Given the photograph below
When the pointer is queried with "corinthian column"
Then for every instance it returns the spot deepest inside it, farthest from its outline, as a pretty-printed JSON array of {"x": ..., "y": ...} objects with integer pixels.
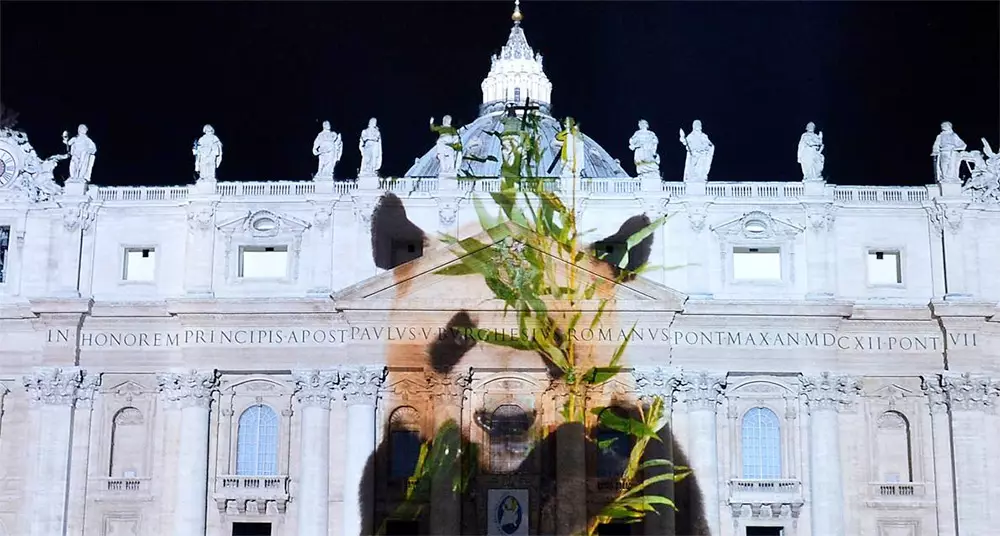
[
  {"x": 969, "y": 399},
  {"x": 944, "y": 490},
  {"x": 826, "y": 395},
  {"x": 52, "y": 393},
  {"x": 191, "y": 392},
  {"x": 659, "y": 383},
  {"x": 360, "y": 386},
  {"x": 449, "y": 394},
  {"x": 704, "y": 392},
  {"x": 315, "y": 390},
  {"x": 80, "y": 455}
]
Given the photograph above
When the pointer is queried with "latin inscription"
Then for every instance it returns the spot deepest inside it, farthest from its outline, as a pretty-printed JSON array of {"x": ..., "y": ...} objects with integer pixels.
[{"x": 678, "y": 338}]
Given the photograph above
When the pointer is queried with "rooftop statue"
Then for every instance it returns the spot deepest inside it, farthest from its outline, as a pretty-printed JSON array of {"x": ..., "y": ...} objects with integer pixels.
[
  {"x": 570, "y": 145},
  {"x": 448, "y": 147},
  {"x": 370, "y": 146},
  {"x": 81, "y": 151},
  {"x": 644, "y": 143},
  {"x": 984, "y": 184},
  {"x": 329, "y": 147},
  {"x": 810, "y": 154},
  {"x": 26, "y": 173},
  {"x": 947, "y": 155},
  {"x": 208, "y": 154},
  {"x": 41, "y": 177},
  {"x": 700, "y": 152}
]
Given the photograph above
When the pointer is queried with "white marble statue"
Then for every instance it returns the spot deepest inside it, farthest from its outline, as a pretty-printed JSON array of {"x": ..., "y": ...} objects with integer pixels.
[
  {"x": 947, "y": 155},
  {"x": 984, "y": 183},
  {"x": 571, "y": 148},
  {"x": 208, "y": 154},
  {"x": 810, "y": 154},
  {"x": 700, "y": 152},
  {"x": 42, "y": 176},
  {"x": 644, "y": 143},
  {"x": 329, "y": 147},
  {"x": 370, "y": 145},
  {"x": 448, "y": 147},
  {"x": 81, "y": 151}
]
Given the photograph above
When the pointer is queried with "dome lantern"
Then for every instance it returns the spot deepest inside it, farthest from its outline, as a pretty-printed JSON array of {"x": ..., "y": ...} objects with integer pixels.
[{"x": 516, "y": 73}]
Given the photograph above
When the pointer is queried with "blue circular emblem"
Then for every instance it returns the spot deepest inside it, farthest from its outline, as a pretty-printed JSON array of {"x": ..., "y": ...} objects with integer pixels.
[{"x": 509, "y": 515}]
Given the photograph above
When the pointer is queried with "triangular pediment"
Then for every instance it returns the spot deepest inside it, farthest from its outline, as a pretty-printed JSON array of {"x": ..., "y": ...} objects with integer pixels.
[{"x": 420, "y": 285}]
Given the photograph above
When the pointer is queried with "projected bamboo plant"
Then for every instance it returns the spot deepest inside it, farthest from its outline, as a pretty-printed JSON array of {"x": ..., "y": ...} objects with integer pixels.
[{"x": 532, "y": 237}]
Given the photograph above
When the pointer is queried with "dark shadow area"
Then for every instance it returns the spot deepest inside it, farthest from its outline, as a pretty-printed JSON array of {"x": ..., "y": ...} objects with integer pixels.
[
  {"x": 543, "y": 464},
  {"x": 613, "y": 248},
  {"x": 395, "y": 239},
  {"x": 452, "y": 343},
  {"x": 251, "y": 529}
]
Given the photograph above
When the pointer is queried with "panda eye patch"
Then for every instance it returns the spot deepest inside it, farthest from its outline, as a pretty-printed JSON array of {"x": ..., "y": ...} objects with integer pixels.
[{"x": 452, "y": 344}]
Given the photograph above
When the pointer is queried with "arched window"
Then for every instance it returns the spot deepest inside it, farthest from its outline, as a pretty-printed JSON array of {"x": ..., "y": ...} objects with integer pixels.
[
  {"x": 404, "y": 442},
  {"x": 257, "y": 442},
  {"x": 128, "y": 441},
  {"x": 517, "y": 94},
  {"x": 893, "y": 448},
  {"x": 508, "y": 429},
  {"x": 613, "y": 449},
  {"x": 761, "y": 444}
]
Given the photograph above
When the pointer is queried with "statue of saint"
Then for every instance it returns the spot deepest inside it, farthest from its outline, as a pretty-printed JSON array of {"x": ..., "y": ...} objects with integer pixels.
[
  {"x": 81, "y": 151},
  {"x": 700, "y": 152},
  {"x": 448, "y": 147},
  {"x": 811, "y": 153},
  {"x": 571, "y": 149},
  {"x": 644, "y": 143},
  {"x": 946, "y": 153},
  {"x": 984, "y": 183},
  {"x": 329, "y": 148},
  {"x": 371, "y": 149},
  {"x": 208, "y": 154}
]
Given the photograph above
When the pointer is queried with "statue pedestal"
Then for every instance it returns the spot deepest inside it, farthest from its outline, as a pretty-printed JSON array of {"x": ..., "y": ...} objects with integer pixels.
[
  {"x": 75, "y": 187},
  {"x": 650, "y": 182},
  {"x": 950, "y": 189},
  {"x": 368, "y": 182},
  {"x": 324, "y": 187},
  {"x": 204, "y": 187},
  {"x": 448, "y": 184},
  {"x": 814, "y": 188},
  {"x": 694, "y": 188}
]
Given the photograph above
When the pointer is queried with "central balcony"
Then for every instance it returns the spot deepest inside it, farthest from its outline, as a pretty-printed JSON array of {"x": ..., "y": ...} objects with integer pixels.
[
  {"x": 765, "y": 491},
  {"x": 240, "y": 494}
]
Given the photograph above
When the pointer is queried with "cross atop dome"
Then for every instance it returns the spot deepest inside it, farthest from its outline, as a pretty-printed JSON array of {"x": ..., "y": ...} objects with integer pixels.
[{"x": 516, "y": 73}]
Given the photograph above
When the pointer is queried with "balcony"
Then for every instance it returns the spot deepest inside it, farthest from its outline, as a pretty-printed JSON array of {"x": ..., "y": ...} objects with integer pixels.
[
  {"x": 765, "y": 491},
  {"x": 239, "y": 494},
  {"x": 119, "y": 488}
]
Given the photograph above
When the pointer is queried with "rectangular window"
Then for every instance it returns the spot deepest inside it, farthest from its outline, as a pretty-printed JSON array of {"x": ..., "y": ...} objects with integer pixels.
[
  {"x": 885, "y": 267},
  {"x": 757, "y": 264},
  {"x": 4, "y": 246},
  {"x": 264, "y": 262},
  {"x": 140, "y": 264}
]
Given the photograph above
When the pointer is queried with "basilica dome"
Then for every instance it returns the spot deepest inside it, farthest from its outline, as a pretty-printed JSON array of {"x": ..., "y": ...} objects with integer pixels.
[{"x": 516, "y": 77}]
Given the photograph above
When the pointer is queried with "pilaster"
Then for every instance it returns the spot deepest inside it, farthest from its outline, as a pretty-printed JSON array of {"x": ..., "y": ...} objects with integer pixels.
[
  {"x": 199, "y": 254},
  {"x": 703, "y": 394},
  {"x": 361, "y": 387},
  {"x": 970, "y": 398},
  {"x": 450, "y": 393},
  {"x": 944, "y": 489},
  {"x": 315, "y": 390}
]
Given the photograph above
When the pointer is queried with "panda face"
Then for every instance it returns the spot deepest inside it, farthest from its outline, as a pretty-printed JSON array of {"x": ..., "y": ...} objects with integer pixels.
[{"x": 396, "y": 241}]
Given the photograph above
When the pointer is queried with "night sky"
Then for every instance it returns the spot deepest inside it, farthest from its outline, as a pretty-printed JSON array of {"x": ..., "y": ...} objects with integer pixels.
[{"x": 877, "y": 78}]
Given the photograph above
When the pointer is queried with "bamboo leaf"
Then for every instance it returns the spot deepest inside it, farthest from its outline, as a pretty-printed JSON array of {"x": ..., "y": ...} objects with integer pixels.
[{"x": 459, "y": 268}]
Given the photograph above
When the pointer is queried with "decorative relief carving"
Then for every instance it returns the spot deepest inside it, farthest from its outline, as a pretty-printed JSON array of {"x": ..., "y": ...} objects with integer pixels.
[
  {"x": 704, "y": 390},
  {"x": 364, "y": 207},
  {"x": 820, "y": 217},
  {"x": 452, "y": 386},
  {"x": 201, "y": 218},
  {"x": 259, "y": 385},
  {"x": 696, "y": 217},
  {"x": 970, "y": 393},
  {"x": 654, "y": 207},
  {"x": 757, "y": 225},
  {"x": 945, "y": 216},
  {"x": 53, "y": 386},
  {"x": 830, "y": 392},
  {"x": 316, "y": 387},
  {"x": 128, "y": 391},
  {"x": 80, "y": 216},
  {"x": 361, "y": 385},
  {"x": 322, "y": 218},
  {"x": 189, "y": 389},
  {"x": 447, "y": 211},
  {"x": 87, "y": 392},
  {"x": 937, "y": 399},
  {"x": 656, "y": 382},
  {"x": 128, "y": 416}
]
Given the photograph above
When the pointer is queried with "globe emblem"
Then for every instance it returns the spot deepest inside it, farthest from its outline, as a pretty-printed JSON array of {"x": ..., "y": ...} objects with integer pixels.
[{"x": 509, "y": 515}]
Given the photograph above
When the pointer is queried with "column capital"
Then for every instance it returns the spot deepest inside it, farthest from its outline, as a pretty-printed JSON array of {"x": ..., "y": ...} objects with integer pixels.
[
  {"x": 937, "y": 398},
  {"x": 704, "y": 389},
  {"x": 361, "y": 385},
  {"x": 825, "y": 391},
  {"x": 193, "y": 388},
  {"x": 967, "y": 392},
  {"x": 60, "y": 386},
  {"x": 316, "y": 388},
  {"x": 87, "y": 392},
  {"x": 656, "y": 382}
]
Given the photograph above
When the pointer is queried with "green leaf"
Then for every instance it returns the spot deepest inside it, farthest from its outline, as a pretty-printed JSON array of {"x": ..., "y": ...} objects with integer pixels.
[
  {"x": 599, "y": 375},
  {"x": 458, "y": 268},
  {"x": 658, "y": 462}
]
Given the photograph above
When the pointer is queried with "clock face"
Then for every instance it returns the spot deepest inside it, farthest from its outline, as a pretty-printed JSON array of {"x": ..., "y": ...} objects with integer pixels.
[{"x": 8, "y": 167}]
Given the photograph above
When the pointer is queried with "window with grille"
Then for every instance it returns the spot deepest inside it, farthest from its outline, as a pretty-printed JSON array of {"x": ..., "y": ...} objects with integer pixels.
[
  {"x": 761, "y": 437},
  {"x": 404, "y": 442},
  {"x": 509, "y": 442},
  {"x": 257, "y": 442}
]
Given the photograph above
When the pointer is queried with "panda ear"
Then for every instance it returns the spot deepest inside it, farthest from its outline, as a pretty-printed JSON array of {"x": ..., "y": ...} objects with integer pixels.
[
  {"x": 612, "y": 249},
  {"x": 395, "y": 239}
]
